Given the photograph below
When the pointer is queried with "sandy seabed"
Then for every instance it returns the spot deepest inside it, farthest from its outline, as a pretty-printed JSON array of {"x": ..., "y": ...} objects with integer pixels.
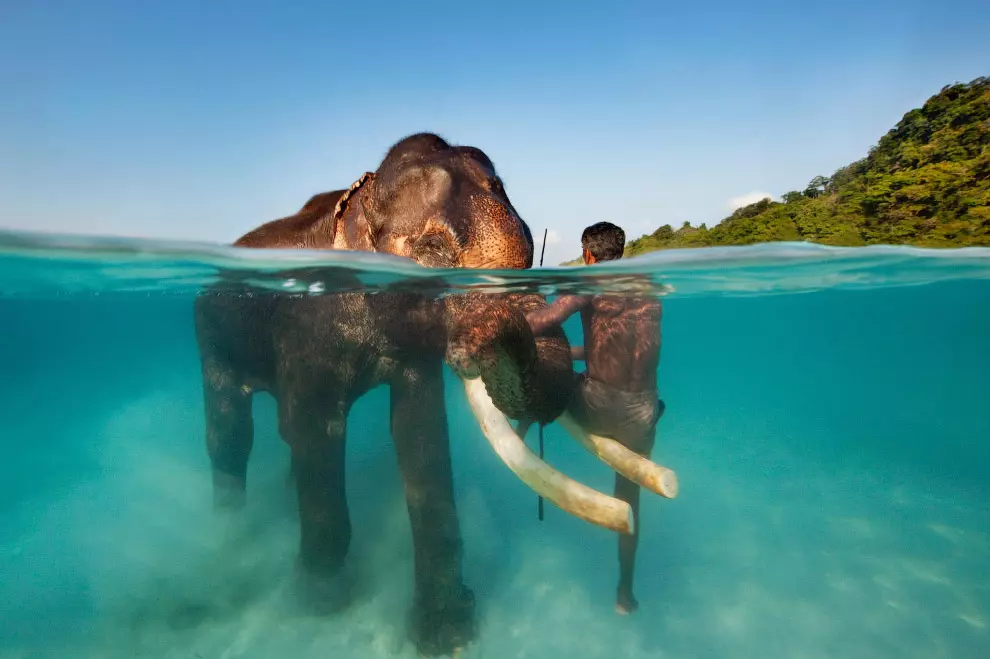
[{"x": 790, "y": 560}]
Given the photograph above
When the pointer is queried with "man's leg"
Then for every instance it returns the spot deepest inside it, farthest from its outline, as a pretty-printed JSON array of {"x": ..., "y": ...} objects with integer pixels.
[
  {"x": 625, "y": 601},
  {"x": 628, "y": 491},
  {"x": 631, "y": 421}
]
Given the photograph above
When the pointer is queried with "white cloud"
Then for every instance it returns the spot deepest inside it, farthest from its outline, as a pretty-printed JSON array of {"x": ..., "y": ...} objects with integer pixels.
[{"x": 736, "y": 203}]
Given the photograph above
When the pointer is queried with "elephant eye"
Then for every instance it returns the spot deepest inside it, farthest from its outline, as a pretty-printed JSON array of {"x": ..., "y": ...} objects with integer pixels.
[{"x": 435, "y": 250}]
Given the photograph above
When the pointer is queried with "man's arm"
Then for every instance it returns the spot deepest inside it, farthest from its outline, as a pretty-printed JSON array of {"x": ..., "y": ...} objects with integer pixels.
[{"x": 560, "y": 310}]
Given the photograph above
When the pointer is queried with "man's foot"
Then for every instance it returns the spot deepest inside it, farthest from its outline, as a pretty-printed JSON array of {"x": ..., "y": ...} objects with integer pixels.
[{"x": 625, "y": 604}]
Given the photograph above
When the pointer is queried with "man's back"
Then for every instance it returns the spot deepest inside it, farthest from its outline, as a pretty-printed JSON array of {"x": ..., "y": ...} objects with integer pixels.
[{"x": 622, "y": 340}]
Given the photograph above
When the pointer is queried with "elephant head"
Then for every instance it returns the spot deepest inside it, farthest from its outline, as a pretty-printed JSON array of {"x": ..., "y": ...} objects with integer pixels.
[{"x": 445, "y": 206}]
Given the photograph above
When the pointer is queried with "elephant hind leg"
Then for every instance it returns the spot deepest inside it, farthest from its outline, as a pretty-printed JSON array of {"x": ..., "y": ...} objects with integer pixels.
[
  {"x": 317, "y": 441},
  {"x": 229, "y": 433}
]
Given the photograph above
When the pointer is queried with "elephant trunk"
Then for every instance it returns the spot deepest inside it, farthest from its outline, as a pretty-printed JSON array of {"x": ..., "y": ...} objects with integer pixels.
[
  {"x": 507, "y": 372},
  {"x": 527, "y": 377}
]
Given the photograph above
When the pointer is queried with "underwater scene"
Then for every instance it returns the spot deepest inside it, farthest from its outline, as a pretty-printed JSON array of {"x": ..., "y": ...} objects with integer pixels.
[{"x": 826, "y": 416}]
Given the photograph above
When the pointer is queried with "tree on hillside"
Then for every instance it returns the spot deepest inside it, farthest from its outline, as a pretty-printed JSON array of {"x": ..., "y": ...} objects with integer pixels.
[
  {"x": 816, "y": 186},
  {"x": 666, "y": 232}
]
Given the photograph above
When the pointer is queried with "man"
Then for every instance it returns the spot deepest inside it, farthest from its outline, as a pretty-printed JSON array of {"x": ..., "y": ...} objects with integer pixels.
[{"x": 616, "y": 396}]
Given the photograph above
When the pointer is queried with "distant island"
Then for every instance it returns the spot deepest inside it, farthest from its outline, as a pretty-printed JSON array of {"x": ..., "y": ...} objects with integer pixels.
[{"x": 926, "y": 183}]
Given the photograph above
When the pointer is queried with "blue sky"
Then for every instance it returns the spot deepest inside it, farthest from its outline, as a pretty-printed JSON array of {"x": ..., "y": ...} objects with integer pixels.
[{"x": 200, "y": 120}]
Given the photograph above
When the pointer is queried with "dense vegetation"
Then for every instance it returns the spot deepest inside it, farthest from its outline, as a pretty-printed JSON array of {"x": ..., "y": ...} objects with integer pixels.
[{"x": 926, "y": 183}]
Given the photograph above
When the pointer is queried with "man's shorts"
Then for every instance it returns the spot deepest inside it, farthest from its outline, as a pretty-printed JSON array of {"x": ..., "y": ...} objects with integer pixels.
[{"x": 628, "y": 417}]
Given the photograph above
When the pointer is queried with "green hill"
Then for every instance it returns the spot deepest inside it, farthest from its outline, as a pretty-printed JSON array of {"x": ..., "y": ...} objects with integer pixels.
[{"x": 926, "y": 183}]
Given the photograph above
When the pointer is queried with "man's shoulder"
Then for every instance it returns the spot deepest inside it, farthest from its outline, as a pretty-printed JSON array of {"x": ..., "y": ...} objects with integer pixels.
[{"x": 617, "y": 303}]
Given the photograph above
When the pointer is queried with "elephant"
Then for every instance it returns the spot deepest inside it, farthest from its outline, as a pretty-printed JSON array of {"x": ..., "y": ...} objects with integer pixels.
[{"x": 441, "y": 206}]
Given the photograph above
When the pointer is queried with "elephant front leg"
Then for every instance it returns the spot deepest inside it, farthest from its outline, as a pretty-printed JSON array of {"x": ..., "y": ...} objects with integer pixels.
[
  {"x": 317, "y": 443},
  {"x": 443, "y": 611}
]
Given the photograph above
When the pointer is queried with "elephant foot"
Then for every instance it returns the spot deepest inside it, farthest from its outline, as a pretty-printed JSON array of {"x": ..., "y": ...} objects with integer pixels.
[
  {"x": 444, "y": 628},
  {"x": 322, "y": 594},
  {"x": 229, "y": 493},
  {"x": 625, "y": 603}
]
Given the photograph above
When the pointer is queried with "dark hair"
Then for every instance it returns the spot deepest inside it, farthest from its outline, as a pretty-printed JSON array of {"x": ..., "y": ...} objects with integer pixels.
[{"x": 604, "y": 240}]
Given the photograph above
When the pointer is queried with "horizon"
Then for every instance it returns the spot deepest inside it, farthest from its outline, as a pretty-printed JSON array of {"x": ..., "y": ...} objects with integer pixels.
[{"x": 184, "y": 123}]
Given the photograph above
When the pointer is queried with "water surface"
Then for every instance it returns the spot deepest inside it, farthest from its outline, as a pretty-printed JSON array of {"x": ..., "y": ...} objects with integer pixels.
[{"x": 826, "y": 414}]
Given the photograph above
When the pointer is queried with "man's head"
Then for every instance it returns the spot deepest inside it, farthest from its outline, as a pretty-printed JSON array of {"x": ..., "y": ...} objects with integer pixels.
[{"x": 602, "y": 242}]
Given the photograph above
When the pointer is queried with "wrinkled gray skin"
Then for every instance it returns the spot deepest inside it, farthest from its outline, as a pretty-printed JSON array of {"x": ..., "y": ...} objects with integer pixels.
[{"x": 440, "y": 206}]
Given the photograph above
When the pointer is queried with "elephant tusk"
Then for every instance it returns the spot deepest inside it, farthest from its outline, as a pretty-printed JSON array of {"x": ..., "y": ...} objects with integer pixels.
[
  {"x": 571, "y": 496},
  {"x": 630, "y": 464}
]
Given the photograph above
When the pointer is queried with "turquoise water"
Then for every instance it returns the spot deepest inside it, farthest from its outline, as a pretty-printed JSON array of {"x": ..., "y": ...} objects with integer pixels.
[{"x": 827, "y": 414}]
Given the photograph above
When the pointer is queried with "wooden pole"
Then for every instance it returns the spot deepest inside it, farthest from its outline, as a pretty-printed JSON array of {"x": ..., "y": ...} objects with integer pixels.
[{"x": 539, "y": 500}]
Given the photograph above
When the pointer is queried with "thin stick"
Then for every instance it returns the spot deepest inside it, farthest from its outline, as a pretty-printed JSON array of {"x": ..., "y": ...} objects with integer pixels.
[{"x": 540, "y": 499}]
